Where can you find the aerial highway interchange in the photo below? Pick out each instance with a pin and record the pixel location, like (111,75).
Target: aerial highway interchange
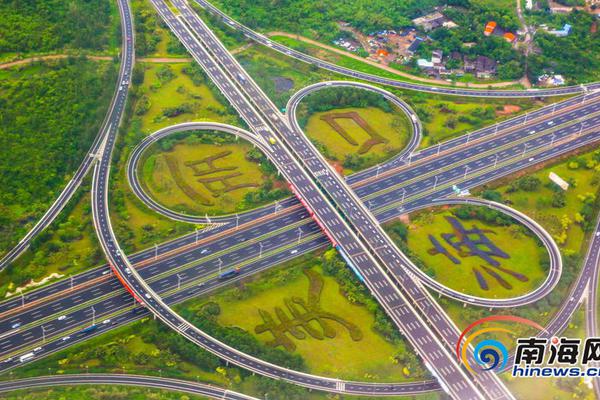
(326,210)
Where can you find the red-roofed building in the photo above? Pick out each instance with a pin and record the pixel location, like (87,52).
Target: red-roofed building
(509,37)
(489,28)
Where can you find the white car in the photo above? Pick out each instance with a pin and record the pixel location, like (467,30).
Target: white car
(62,317)
(106,321)
(15,325)
(37,349)
(66,338)
(204,251)
(531,132)
(147,295)
(127,271)
(294,251)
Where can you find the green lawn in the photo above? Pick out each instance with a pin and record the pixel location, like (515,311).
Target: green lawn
(524,252)
(212,198)
(334,357)
(180,89)
(393,128)
(97,392)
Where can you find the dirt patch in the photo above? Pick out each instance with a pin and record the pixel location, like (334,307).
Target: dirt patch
(508,109)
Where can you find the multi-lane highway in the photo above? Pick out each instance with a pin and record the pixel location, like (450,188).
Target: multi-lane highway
(190,239)
(456,380)
(144,381)
(549,144)
(110,123)
(259,38)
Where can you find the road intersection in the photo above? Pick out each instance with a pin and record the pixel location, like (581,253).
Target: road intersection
(338,210)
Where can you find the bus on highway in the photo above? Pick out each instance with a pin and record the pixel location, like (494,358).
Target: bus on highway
(229,274)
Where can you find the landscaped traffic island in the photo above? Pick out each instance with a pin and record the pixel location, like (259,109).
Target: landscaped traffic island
(474,250)
(208,173)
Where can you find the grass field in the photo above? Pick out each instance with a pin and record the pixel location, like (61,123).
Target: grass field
(524,252)
(394,128)
(175,92)
(334,357)
(164,184)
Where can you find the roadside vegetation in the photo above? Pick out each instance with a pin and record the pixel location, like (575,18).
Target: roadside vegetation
(152,36)
(51,113)
(66,247)
(34,27)
(97,392)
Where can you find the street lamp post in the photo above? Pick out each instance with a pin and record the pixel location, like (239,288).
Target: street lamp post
(178,281)
(524,150)
(496,161)
(43,334)
(71,279)
(435,182)
(299,234)
(220,265)
(261,249)
(378,168)
(93,316)
(552,140)
(466,170)
(22,297)
(196,231)
(237,221)
(155,251)
(403,194)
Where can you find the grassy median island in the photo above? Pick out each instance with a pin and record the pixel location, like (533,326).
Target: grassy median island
(353,128)
(315,309)
(474,250)
(209,172)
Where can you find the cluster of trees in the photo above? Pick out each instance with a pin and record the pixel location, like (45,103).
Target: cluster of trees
(318,18)
(42,26)
(48,122)
(576,56)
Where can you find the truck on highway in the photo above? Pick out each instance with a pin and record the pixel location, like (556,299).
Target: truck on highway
(229,274)
(26,357)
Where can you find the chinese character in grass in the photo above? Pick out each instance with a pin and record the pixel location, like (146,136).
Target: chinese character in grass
(303,317)
(210,178)
(475,242)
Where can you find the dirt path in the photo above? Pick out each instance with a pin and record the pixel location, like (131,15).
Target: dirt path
(390,69)
(29,60)
(50,57)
